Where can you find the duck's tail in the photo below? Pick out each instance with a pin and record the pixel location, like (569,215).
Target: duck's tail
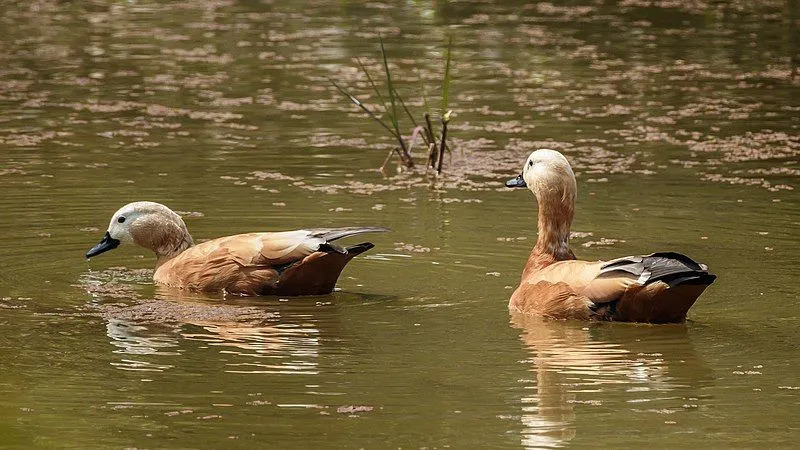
(317,273)
(331,234)
(355,250)
(668,284)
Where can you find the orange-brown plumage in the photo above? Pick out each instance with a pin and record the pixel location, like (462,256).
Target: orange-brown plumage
(302,262)
(657,288)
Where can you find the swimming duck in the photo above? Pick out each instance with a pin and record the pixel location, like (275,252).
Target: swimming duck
(302,262)
(656,288)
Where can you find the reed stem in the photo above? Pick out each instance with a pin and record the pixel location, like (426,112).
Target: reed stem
(442,144)
(431,138)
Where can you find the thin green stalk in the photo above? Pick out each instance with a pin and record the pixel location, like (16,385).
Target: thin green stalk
(393,113)
(442,144)
(446,79)
(358,103)
(372,83)
(403,104)
(411,118)
(405,156)
(424,92)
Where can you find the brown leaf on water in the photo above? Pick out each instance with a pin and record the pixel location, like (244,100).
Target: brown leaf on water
(602,242)
(351,409)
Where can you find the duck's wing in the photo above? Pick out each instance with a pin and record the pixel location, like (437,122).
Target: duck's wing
(302,262)
(284,248)
(292,246)
(660,287)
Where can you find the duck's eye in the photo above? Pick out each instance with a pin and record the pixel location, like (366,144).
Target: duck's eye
(530,163)
(121,220)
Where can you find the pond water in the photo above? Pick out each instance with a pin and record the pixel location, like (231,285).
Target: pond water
(681,121)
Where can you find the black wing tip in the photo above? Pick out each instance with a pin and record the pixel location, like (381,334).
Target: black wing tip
(706,278)
(329,247)
(698,278)
(678,257)
(355,250)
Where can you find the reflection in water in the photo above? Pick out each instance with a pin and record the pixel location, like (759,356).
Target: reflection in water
(263,341)
(580,363)
(135,339)
(282,348)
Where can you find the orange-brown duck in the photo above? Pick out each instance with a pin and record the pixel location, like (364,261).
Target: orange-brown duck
(656,288)
(302,262)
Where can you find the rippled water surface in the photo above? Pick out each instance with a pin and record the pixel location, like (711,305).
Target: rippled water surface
(681,121)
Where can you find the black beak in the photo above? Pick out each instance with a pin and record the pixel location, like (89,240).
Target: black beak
(106,244)
(516,182)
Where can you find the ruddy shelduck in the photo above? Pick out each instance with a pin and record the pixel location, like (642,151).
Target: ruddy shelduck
(656,288)
(302,262)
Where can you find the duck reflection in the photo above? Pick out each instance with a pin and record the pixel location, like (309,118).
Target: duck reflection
(136,340)
(578,363)
(255,335)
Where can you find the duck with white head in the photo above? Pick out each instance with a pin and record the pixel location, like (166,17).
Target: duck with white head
(655,288)
(301,262)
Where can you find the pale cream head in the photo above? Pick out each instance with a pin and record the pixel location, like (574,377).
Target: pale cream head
(549,175)
(148,224)
(130,218)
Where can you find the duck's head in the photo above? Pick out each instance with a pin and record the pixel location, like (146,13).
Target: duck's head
(547,174)
(148,224)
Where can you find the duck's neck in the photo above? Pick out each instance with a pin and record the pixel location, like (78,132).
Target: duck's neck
(166,239)
(173,248)
(555,219)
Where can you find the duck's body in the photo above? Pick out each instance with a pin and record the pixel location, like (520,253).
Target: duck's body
(282,263)
(302,262)
(656,288)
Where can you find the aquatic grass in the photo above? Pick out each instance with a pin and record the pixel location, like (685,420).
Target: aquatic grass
(446,78)
(445,121)
(393,115)
(445,103)
(364,108)
(432,141)
(394,105)
(363,68)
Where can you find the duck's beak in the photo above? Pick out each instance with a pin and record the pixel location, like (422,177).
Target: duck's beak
(106,244)
(517,182)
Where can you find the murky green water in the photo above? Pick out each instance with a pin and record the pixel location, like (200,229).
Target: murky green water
(682,123)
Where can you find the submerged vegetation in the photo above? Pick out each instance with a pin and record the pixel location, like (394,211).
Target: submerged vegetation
(435,148)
